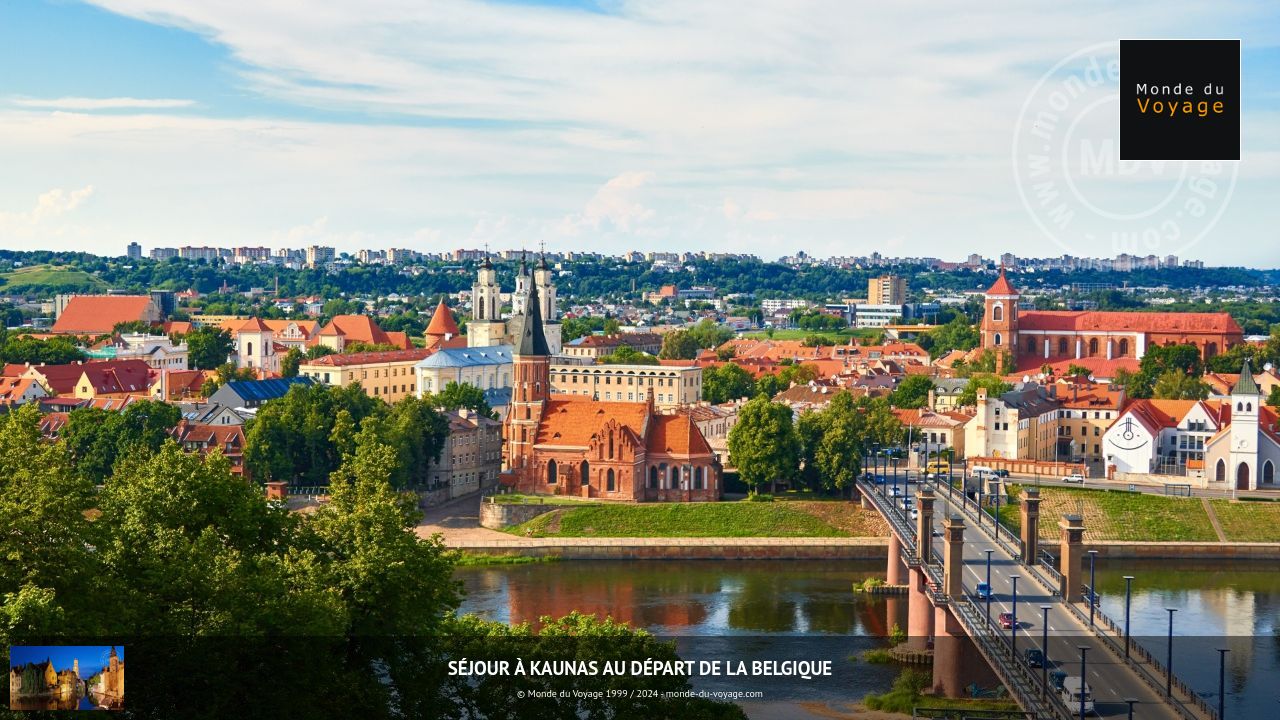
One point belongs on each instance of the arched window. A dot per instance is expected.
(664, 477)
(551, 472)
(1242, 476)
(1220, 472)
(584, 473)
(1268, 472)
(1239, 406)
(1210, 350)
(248, 348)
(697, 478)
(611, 447)
(1124, 347)
(997, 312)
(998, 339)
(1031, 344)
(1062, 346)
(609, 481)
(653, 477)
(1093, 347)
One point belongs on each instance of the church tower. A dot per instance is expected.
(1245, 399)
(1000, 320)
(486, 328)
(520, 298)
(530, 387)
(547, 299)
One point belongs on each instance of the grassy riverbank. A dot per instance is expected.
(1137, 517)
(723, 519)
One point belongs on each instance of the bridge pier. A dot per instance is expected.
(957, 664)
(924, 525)
(919, 611)
(1030, 525)
(953, 557)
(893, 572)
(1069, 556)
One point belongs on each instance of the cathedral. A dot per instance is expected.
(1093, 339)
(574, 445)
(487, 328)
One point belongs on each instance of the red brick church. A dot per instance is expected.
(1087, 338)
(566, 445)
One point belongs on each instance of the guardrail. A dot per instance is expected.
(310, 492)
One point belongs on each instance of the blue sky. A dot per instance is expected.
(92, 657)
(825, 125)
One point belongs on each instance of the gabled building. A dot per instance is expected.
(107, 378)
(16, 391)
(588, 448)
(204, 439)
(252, 393)
(99, 314)
(386, 374)
(345, 329)
(1021, 424)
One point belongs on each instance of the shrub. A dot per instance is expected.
(896, 635)
(760, 497)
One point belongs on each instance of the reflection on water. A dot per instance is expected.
(1233, 605)
(679, 598)
(50, 703)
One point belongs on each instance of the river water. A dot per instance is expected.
(782, 609)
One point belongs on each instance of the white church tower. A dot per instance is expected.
(547, 305)
(486, 328)
(1245, 400)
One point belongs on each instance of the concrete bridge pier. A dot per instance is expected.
(1030, 525)
(957, 664)
(920, 615)
(1069, 556)
(893, 571)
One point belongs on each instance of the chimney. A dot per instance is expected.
(932, 399)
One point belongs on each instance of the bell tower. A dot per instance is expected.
(531, 385)
(1000, 320)
(486, 328)
(1246, 396)
(547, 295)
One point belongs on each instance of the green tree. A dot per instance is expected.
(1175, 385)
(208, 347)
(464, 395)
(22, 348)
(993, 385)
(290, 362)
(763, 445)
(627, 355)
(1273, 399)
(709, 334)
(726, 382)
(912, 392)
(415, 431)
(98, 438)
(679, 345)
(958, 334)
(291, 439)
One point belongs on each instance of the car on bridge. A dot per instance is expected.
(1006, 620)
(983, 592)
(1056, 678)
(1035, 658)
(1074, 690)
(1074, 478)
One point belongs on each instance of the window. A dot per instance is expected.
(653, 477)
(997, 313)
(1062, 346)
(998, 339)
(1031, 344)
(1124, 347)
(584, 473)
(551, 472)
(1220, 472)
(1268, 472)
(1093, 347)
(609, 480)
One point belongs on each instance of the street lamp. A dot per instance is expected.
(1013, 627)
(1093, 593)
(988, 551)
(1131, 702)
(1044, 647)
(1128, 592)
(1168, 666)
(1222, 676)
(1083, 650)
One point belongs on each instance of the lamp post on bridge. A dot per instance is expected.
(1013, 626)
(1131, 702)
(1093, 593)
(1084, 649)
(1168, 666)
(988, 551)
(1128, 593)
(1222, 685)
(1044, 647)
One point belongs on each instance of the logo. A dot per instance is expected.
(1079, 189)
(1180, 99)
(1128, 435)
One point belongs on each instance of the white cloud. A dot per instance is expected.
(613, 207)
(49, 206)
(116, 103)
(309, 233)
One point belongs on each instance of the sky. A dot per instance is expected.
(830, 126)
(92, 657)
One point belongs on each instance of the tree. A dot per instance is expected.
(464, 395)
(1273, 399)
(1175, 385)
(627, 355)
(290, 439)
(912, 392)
(208, 347)
(358, 346)
(958, 334)
(98, 438)
(21, 348)
(726, 382)
(679, 345)
(1074, 370)
(290, 362)
(817, 341)
(993, 385)
(763, 445)
(709, 334)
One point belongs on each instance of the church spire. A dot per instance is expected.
(531, 340)
(1246, 384)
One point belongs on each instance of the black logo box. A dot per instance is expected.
(1187, 68)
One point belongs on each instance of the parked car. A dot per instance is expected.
(983, 592)
(1035, 658)
(1074, 478)
(1006, 620)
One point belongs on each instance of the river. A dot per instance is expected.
(764, 608)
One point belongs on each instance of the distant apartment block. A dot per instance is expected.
(886, 290)
(319, 256)
(134, 251)
(163, 253)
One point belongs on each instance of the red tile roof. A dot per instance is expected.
(1098, 367)
(98, 314)
(442, 321)
(369, 358)
(573, 421)
(676, 435)
(1152, 322)
(362, 328)
(108, 376)
(1001, 286)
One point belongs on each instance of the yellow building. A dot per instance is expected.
(1088, 409)
(672, 386)
(886, 290)
(388, 375)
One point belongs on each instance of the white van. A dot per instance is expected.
(983, 473)
(1072, 689)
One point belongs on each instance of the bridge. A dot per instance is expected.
(943, 553)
